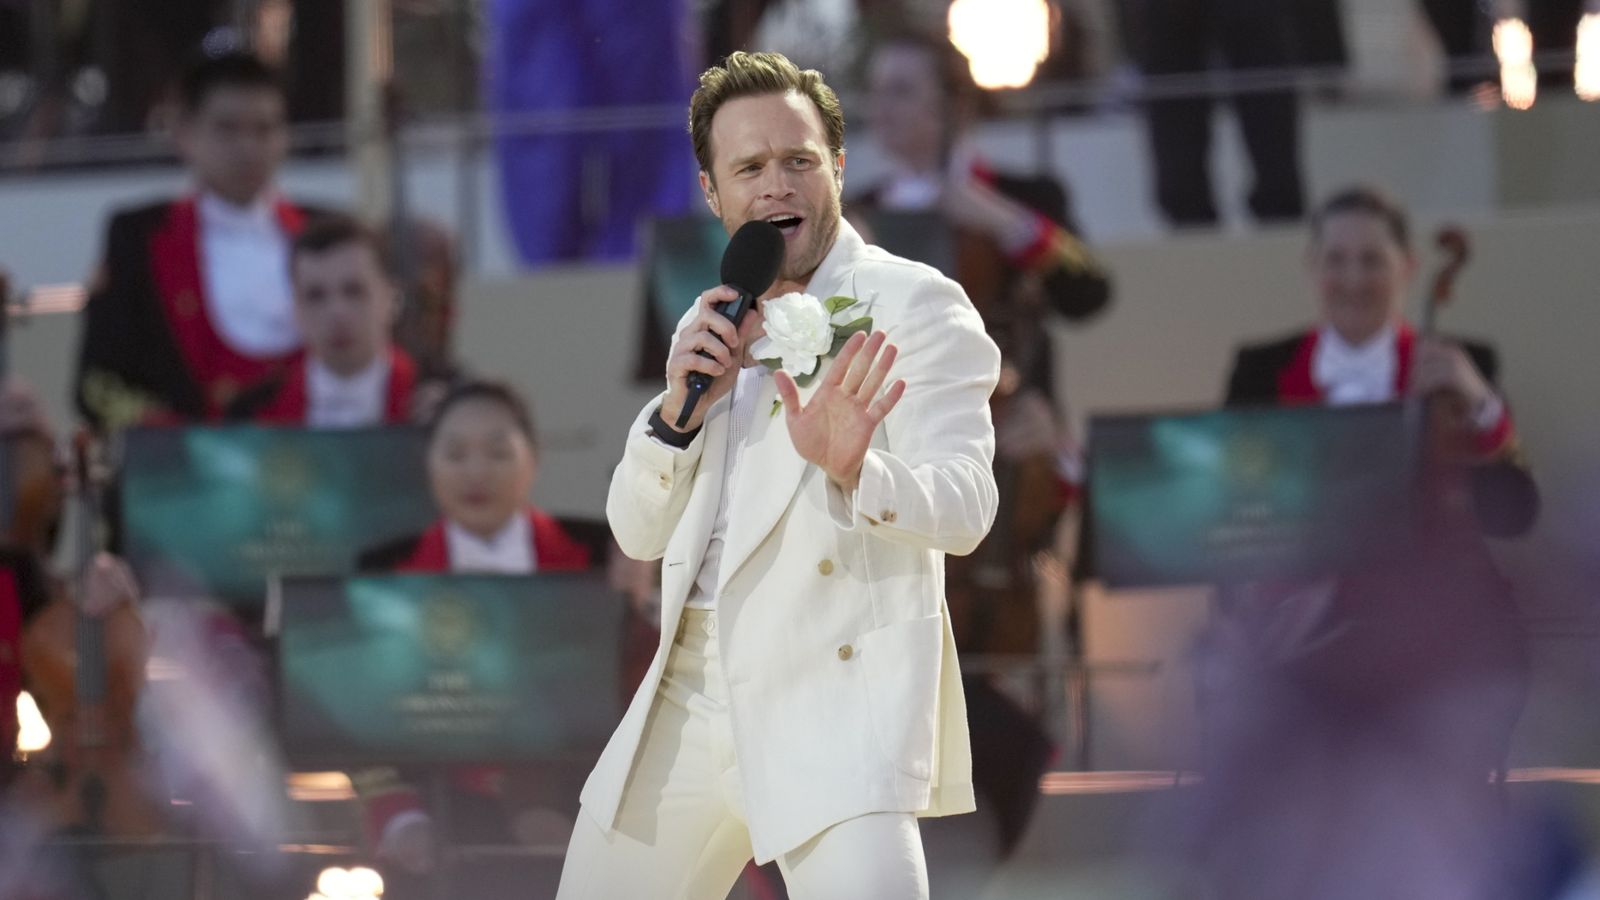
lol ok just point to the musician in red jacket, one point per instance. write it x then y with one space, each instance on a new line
350 374
1374 703
1364 351
192 302
481 467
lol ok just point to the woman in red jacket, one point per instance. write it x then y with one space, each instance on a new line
482 464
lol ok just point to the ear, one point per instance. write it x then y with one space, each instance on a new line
183 136
708 189
1409 265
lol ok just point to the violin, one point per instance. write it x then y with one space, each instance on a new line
30 482
86 668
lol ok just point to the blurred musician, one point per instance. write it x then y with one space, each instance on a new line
482 464
192 299
1020 259
1374 704
350 373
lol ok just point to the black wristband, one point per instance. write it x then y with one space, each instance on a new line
668 435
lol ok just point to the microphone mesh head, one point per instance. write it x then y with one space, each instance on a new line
753 257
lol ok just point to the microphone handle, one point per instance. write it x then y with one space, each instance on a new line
700 382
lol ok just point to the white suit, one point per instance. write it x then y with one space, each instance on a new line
843 690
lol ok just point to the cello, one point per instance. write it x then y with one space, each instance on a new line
993 592
84 655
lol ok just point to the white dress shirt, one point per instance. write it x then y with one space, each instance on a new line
1349 374
509 552
908 191
355 401
741 408
244 264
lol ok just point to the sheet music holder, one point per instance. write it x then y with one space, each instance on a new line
214 512
1247 494
447 669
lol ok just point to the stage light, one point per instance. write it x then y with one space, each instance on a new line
334 882
1004 41
33 735
366 882
1513 47
1586 71
359 883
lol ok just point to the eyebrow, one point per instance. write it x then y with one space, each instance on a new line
787 151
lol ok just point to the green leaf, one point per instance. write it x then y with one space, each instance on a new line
842 333
776 365
835 304
862 324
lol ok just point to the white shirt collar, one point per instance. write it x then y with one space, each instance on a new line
354 401
908 191
260 216
1356 373
509 552
244 255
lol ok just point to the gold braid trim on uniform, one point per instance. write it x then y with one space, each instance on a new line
115 402
1066 252
378 781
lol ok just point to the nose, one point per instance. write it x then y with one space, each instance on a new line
776 184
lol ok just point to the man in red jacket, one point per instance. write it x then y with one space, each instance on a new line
192 300
345 302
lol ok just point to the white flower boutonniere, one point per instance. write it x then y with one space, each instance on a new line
801 330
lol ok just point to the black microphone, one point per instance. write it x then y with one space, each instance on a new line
749 266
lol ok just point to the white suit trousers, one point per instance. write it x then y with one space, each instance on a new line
680 832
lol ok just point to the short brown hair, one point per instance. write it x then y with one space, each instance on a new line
1366 199
329 232
752 75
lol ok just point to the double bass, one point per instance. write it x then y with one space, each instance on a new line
993 592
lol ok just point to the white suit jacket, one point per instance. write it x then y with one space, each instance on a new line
845 696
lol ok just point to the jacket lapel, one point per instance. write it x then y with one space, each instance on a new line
770 470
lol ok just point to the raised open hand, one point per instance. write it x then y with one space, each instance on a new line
835 428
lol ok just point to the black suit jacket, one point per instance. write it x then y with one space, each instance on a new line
127 340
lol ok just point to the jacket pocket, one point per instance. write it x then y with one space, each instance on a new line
902 673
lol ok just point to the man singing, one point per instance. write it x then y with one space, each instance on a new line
804 705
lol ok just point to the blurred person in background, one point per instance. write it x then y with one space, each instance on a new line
1181 37
1021 261
26 541
1355 723
192 301
482 465
350 373
70 787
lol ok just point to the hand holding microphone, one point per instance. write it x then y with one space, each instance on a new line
706 355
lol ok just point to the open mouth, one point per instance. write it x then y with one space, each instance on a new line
788 224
